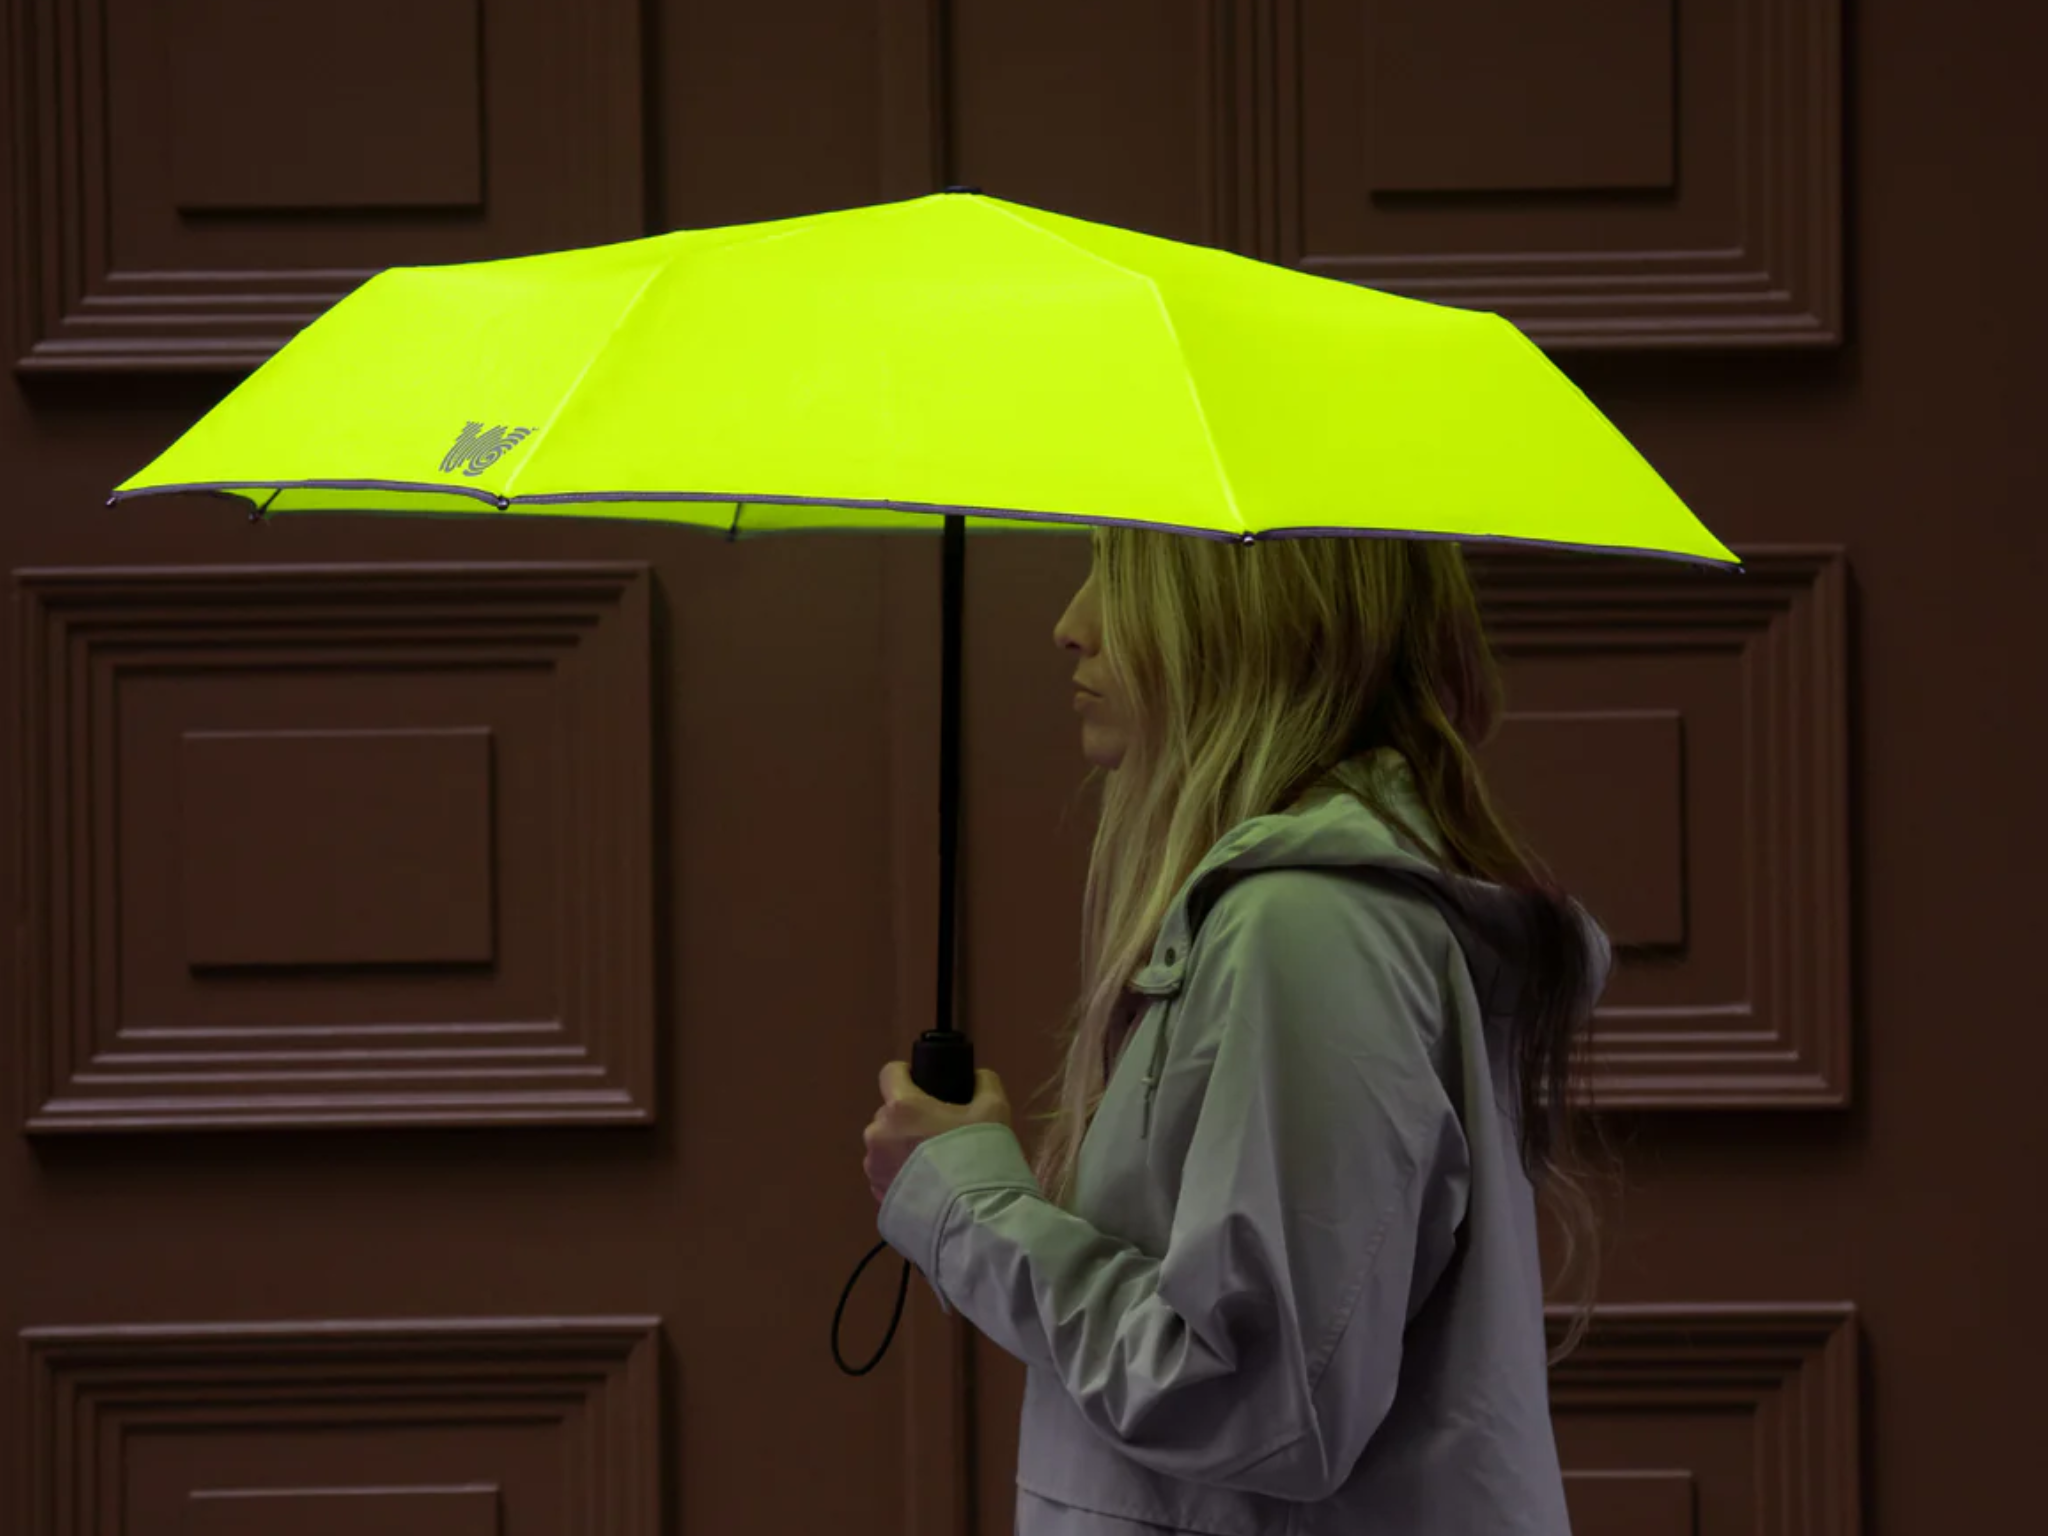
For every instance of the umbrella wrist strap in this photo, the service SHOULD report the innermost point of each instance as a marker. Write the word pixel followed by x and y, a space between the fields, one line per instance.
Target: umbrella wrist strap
pixel 902 1289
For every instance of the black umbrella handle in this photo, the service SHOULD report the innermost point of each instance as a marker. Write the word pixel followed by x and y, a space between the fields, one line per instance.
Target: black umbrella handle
pixel 942 1065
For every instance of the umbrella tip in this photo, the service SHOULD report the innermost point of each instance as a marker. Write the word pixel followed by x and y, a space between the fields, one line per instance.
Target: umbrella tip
pixel 972 191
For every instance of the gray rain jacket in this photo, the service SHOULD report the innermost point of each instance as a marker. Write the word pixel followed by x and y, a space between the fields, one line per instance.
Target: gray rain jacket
pixel 1299 1292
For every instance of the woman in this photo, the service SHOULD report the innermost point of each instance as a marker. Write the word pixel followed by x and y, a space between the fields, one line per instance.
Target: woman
pixel 1274 1267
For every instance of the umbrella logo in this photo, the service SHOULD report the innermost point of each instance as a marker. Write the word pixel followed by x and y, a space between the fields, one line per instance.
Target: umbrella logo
pixel 481 447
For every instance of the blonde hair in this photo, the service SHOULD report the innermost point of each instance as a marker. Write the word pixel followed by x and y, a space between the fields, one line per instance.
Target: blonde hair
pixel 1253 675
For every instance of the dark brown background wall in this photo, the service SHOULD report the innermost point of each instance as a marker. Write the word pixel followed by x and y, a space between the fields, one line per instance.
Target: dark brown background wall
pixel 412 1094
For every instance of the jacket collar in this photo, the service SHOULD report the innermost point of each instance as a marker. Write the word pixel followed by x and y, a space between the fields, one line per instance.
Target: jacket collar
pixel 1333 830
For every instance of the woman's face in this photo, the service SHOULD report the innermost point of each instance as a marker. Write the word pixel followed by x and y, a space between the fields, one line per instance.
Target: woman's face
pixel 1080 631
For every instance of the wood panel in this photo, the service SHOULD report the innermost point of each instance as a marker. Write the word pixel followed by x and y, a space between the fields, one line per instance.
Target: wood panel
pixel 1611 174
pixel 1710 1418
pixel 1677 750
pixel 415 1427
pixel 332 846
pixel 203 181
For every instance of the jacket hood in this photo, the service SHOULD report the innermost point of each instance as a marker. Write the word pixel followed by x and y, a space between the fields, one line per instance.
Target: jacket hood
pixel 1336 831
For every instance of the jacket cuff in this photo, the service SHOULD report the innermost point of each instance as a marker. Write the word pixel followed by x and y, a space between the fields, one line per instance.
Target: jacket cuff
pixel 926 1191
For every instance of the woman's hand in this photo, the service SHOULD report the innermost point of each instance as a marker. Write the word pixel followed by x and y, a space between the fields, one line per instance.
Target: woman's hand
pixel 909 1115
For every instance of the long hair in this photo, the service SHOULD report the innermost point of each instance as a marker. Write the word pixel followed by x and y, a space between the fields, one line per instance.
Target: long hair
pixel 1255 675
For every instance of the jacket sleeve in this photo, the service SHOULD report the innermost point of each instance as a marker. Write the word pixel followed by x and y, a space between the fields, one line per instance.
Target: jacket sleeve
pixel 1324 1181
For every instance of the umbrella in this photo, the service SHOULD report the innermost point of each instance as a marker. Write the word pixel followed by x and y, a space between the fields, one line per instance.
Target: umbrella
pixel 911 365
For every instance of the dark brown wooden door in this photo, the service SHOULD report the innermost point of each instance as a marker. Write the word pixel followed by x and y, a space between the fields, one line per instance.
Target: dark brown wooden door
pixel 451 963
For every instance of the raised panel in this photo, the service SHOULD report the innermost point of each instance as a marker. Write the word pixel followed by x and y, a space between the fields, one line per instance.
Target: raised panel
pixel 459 1427
pixel 214 175
pixel 1605 173
pixel 336 846
pixel 1676 751
pixel 1713 1418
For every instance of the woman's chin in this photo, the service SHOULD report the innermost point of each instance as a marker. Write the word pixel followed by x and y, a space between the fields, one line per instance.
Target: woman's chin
pixel 1103 755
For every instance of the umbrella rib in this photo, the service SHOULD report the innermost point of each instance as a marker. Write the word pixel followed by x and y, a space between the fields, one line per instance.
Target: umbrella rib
pixel 1159 299
pixel 512 481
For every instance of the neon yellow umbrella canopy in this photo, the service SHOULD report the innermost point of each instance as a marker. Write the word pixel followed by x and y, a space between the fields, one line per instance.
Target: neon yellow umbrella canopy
pixel 865 369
